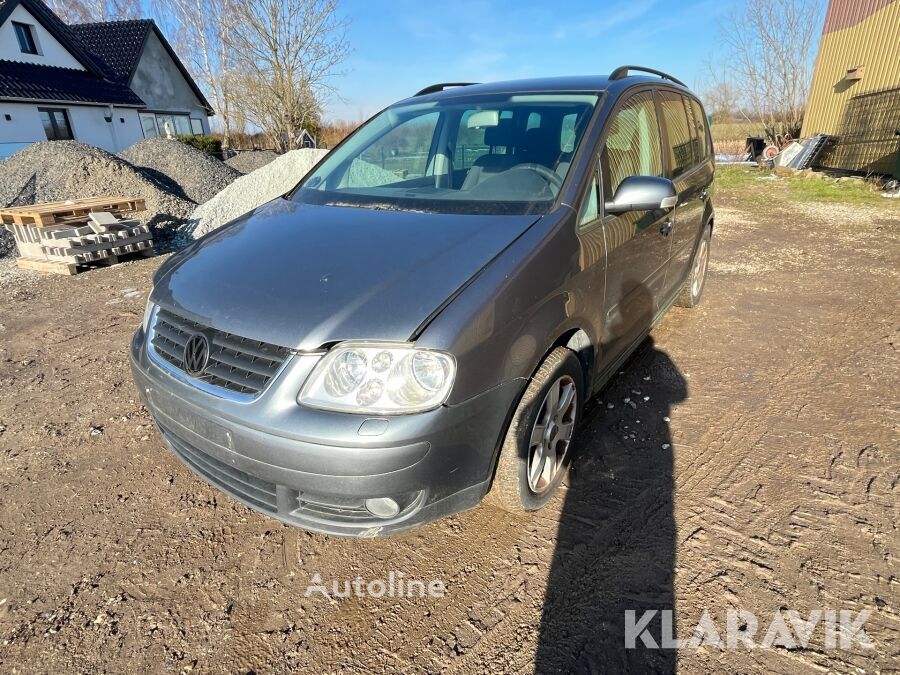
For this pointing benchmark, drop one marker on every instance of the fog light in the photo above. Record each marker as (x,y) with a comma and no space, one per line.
(382,507)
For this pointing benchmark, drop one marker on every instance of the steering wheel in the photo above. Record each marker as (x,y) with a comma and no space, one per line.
(549,175)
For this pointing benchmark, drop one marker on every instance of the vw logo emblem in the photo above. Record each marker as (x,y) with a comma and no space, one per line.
(196,354)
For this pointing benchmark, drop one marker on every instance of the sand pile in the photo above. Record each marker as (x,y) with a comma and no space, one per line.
(255,189)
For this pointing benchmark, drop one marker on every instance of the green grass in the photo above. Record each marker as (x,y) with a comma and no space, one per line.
(737,181)
(826,190)
(734,177)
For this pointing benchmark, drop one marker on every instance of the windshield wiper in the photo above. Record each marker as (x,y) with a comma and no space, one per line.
(378,206)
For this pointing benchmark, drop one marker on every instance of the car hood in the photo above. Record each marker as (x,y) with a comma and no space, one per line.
(301,275)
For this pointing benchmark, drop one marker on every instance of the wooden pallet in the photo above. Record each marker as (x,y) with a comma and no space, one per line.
(74,211)
(70,268)
(44,265)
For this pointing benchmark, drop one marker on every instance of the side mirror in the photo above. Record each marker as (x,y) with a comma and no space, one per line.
(643,193)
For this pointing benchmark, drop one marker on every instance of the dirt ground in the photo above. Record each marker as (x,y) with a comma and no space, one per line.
(758,469)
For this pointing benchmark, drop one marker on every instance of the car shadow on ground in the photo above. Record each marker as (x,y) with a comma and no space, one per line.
(616,540)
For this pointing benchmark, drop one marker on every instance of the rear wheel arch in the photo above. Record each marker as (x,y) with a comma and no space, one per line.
(709,216)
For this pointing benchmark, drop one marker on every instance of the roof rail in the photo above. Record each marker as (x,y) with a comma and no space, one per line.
(622,72)
(441,86)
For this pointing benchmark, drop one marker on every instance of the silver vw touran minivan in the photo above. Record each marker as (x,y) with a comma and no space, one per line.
(419,323)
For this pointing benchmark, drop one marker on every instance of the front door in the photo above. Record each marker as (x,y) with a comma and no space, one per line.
(637,247)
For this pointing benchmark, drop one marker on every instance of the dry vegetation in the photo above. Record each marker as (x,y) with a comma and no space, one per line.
(334,132)
(730,138)
(735,131)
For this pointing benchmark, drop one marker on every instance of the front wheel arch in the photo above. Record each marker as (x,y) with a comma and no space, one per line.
(579,343)
(512,462)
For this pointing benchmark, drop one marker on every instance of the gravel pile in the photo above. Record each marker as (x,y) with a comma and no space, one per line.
(251,160)
(186,171)
(7,244)
(254,189)
(61,170)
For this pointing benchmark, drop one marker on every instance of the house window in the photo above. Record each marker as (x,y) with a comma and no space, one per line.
(25,34)
(173,125)
(148,123)
(162,125)
(197,126)
(56,124)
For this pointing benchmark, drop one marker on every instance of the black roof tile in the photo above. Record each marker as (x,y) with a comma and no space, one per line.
(117,43)
(32,82)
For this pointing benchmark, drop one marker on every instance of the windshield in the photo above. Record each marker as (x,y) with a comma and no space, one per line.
(505,154)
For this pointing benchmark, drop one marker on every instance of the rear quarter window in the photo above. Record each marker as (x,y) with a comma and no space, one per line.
(702,129)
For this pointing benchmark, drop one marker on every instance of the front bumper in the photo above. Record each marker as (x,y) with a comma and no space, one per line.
(315,469)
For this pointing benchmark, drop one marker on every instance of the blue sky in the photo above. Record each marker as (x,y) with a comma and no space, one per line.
(400,46)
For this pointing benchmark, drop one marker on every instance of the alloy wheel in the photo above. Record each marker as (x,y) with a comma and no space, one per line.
(700,264)
(552,434)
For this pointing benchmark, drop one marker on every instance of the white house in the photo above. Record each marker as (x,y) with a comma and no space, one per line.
(106,84)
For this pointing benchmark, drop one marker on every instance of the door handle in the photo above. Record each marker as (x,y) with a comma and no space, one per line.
(666,227)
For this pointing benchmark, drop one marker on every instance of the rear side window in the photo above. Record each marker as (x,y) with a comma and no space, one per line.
(681,131)
(702,136)
(632,144)
(472,142)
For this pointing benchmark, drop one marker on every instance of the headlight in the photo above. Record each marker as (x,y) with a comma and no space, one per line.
(148,312)
(379,378)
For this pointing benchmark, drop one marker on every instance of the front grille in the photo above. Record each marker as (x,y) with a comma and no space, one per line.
(236,363)
(255,491)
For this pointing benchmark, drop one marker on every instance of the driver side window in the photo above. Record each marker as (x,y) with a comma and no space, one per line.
(632,144)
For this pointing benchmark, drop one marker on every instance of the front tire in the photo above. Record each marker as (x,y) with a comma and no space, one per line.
(537,449)
(692,291)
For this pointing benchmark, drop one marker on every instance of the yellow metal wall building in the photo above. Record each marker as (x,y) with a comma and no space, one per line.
(855,93)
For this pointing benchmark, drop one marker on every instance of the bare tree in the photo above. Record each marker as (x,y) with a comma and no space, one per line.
(288,51)
(721,96)
(770,51)
(201,29)
(84,11)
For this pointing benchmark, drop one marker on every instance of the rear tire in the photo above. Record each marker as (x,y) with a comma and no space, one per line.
(692,291)
(537,449)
